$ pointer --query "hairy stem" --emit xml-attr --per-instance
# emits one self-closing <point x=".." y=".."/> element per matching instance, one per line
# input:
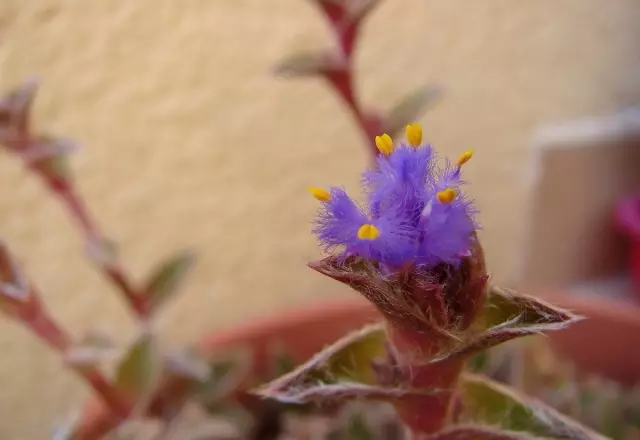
<point x="428" y="414"/>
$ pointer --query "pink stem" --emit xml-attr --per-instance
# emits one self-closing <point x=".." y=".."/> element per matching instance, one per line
<point x="79" y="212"/>
<point x="49" y="332"/>
<point x="343" y="80"/>
<point x="425" y="414"/>
<point x="110" y="395"/>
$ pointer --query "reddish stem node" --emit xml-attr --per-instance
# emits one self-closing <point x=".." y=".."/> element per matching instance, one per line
<point x="411" y="349"/>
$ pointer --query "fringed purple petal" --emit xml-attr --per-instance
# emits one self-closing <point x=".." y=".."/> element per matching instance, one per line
<point x="339" y="220"/>
<point x="414" y="226"/>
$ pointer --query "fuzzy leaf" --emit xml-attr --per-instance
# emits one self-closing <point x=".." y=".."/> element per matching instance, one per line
<point x="486" y="402"/>
<point x="508" y="315"/>
<point x="410" y="108"/>
<point x="165" y="282"/>
<point x="309" y="64"/>
<point x="139" y="370"/>
<point x="344" y="370"/>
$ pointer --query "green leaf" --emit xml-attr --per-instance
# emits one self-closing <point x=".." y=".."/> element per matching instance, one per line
<point x="166" y="280"/>
<point x="343" y="371"/>
<point x="508" y="315"/>
<point x="489" y="403"/>
<point x="410" y="108"/>
<point x="139" y="370"/>
<point x="309" y="64"/>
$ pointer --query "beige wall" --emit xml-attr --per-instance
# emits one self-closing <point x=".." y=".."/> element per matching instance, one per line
<point x="189" y="142"/>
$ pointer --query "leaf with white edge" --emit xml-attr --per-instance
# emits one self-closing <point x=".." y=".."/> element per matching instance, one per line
<point x="410" y="108"/>
<point x="490" y="403"/>
<point x="309" y="64"/>
<point x="508" y="315"/>
<point x="139" y="370"/>
<point x="167" y="279"/>
<point x="345" y="370"/>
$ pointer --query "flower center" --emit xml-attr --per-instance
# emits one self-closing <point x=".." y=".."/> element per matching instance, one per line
<point x="368" y="232"/>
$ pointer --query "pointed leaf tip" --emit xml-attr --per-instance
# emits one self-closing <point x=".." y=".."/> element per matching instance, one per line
<point x="490" y="403"/>
<point x="508" y="315"/>
<point x="168" y="277"/>
<point x="139" y="370"/>
<point x="309" y="63"/>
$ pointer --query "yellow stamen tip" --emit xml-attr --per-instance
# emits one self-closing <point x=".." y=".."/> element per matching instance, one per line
<point x="368" y="232"/>
<point x="414" y="134"/>
<point x="465" y="157"/>
<point x="320" y="194"/>
<point x="447" y="196"/>
<point x="384" y="144"/>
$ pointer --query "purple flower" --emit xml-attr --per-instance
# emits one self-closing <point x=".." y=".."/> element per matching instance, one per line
<point x="415" y="214"/>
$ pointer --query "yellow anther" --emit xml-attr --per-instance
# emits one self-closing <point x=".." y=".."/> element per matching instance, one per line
<point x="414" y="134"/>
<point x="320" y="194"/>
<point x="465" y="157"/>
<point x="447" y="196"/>
<point x="368" y="232"/>
<point x="384" y="144"/>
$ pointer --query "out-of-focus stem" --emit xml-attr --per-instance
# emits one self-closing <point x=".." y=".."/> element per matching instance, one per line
<point x="343" y="80"/>
<point x="78" y="211"/>
<point x="40" y="323"/>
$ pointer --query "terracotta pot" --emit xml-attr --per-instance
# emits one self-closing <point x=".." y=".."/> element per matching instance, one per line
<point x="627" y="217"/>
<point x="595" y="344"/>
<point x="299" y="333"/>
<point x="606" y="343"/>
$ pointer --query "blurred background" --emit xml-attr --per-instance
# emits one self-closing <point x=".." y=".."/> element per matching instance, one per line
<point x="189" y="141"/>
